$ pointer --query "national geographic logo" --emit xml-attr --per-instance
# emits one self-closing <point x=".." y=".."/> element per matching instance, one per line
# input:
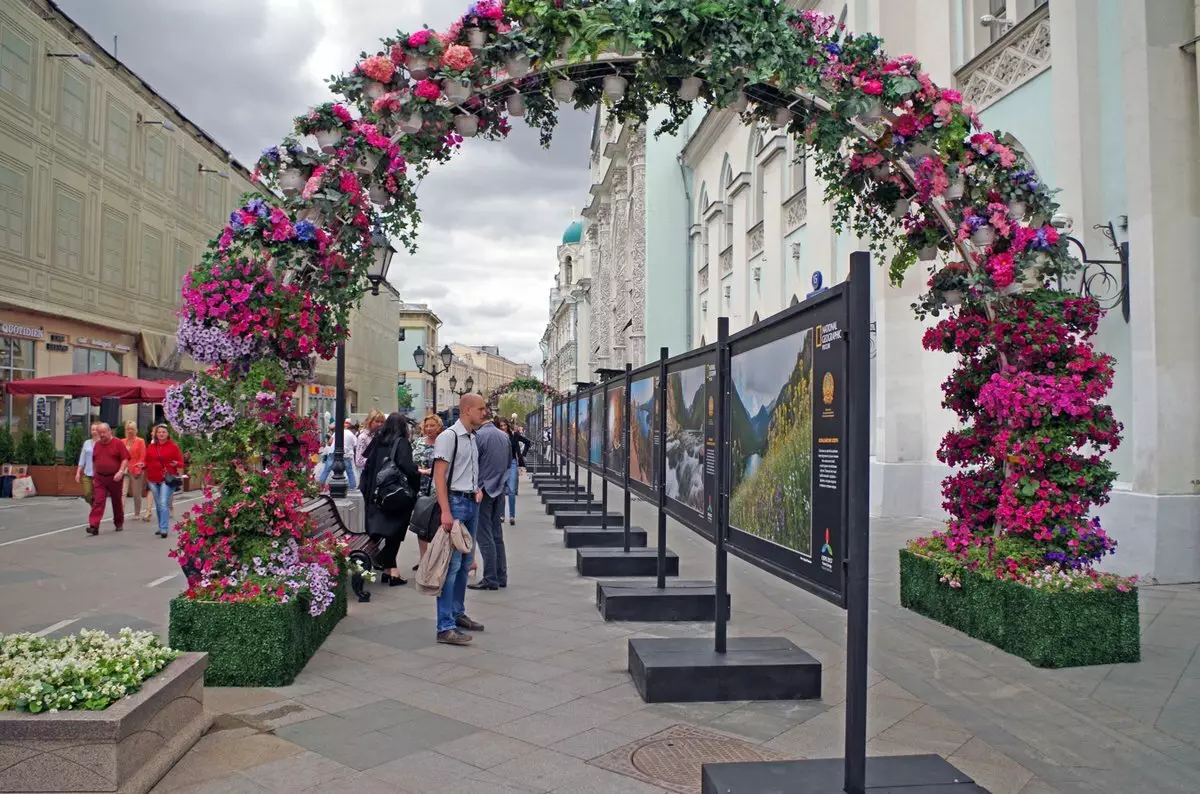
<point x="824" y="334"/>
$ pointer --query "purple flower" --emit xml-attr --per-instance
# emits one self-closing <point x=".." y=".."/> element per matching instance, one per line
<point x="306" y="232"/>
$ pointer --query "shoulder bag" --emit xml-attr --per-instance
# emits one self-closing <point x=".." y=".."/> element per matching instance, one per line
<point x="427" y="514"/>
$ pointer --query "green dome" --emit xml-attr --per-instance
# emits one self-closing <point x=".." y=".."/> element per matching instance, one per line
<point x="574" y="233"/>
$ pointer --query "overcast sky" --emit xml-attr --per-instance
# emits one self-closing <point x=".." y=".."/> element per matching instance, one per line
<point x="491" y="219"/>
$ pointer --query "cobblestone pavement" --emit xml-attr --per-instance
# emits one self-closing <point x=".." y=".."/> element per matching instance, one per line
<point x="541" y="701"/>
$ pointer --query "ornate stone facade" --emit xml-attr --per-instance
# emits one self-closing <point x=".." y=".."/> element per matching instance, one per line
<point x="1021" y="55"/>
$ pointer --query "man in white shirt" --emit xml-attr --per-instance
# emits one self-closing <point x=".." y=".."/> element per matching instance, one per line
<point x="348" y="443"/>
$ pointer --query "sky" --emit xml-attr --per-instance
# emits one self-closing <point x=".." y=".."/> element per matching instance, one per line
<point x="242" y="70"/>
<point x="760" y="373"/>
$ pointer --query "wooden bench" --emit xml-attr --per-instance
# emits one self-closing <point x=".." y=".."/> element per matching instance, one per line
<point x="328" y="521"/>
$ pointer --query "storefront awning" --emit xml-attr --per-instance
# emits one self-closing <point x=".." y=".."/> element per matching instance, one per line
<point x="96" y="385"/>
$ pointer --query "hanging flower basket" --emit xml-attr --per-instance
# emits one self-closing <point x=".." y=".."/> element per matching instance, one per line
<point x="411" y="124"/>
<point x="927" y="253"/>
<point x="466" y="126"/>
<point x="457" y="89"/>
<point x="328" y="140"/>
<point x="900" y="208"/>
<point x="373" y="89"/>
<point x="953" y="297"/>
<point x="564" y="47"/>
<point x="1018" y="209"/>
<point x="740" y="102"/>
<point x="689" y="89"/>
<point x="515" y="104"/>
<point x="984" y="236"/>
<point x="291" y="181"/>
<point x="378" y="195"/>
<point x="564" y="90"/>
<point x="783" y="118"/>
<point x="517" y="66"/>
<point x="476" y="38"/>
<point x="872" y="114"/>
<point x="954" y="191"/>
<point x="367" y="162"/>
<point x="614" y="87"/>
<point x="418" y="66"/>
<point x="312" y="215"/>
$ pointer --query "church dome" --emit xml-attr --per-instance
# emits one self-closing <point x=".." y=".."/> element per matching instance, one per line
<point x="573" y="234"/>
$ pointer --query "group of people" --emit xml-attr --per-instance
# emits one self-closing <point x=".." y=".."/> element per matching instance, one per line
<point x="111" y="468"/>
<point x="471" y="468"/>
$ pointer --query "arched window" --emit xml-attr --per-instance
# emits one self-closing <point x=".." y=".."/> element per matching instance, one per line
<point x="758" y="140"/>
<point x="703" y="252"/>
<point x="726" y="220"/>
<point x="702" y="342"/>
<point x="755" y="321"/>
<point x="795" y="301"/>
<point x="799" y="164"/>
<point x="567" y="275"/>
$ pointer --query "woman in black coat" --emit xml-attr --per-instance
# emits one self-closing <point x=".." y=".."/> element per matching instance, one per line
<point x="389" y="530"/>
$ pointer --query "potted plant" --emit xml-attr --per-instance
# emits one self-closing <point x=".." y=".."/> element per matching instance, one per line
<point x="376" y="73"/>
<point x="50" y="478"/>
<point x="950" y="282"/>
<point x="327" y="123"/>
<point x="926" y="239"/>
<point x="459" y="73"/>
<point x="421" y="51"/>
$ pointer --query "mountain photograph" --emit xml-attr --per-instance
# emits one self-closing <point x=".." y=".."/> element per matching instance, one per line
<point x="771" y="441"/>
<point x="614" y="448"/>
<point x="596" y="450"/>
<point x="582" y="423"/>
<point x="685" y="437"/>
<point x="642" y="411"/>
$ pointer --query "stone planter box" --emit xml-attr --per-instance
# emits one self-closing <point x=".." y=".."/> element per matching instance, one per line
<point x="55" y="481"/>
<point x="128" y="747"/>
<point x="252" y="644"/>
<point x="1047" y="629"/>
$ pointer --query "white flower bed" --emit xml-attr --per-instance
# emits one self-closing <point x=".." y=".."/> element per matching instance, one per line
<point x="90" y="670"/>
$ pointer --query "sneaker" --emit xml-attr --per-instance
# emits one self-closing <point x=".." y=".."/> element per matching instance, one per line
<point x="512" y="521"/>
<point x="452" y="637"/>
<point x="118" y="529"/>
<point x="93" y="530"/>
<point x="464" y="622"/>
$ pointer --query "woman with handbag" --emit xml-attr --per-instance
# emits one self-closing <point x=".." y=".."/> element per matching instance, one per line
<point x="390" y="483"/>
<point x="164" y="463"/>
<point x="431" y="427"/>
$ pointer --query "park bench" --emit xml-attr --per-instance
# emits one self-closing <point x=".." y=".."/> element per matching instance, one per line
<point x="328" y="521"/>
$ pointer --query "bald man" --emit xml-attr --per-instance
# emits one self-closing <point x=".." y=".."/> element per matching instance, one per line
<point x="456" y="479"/>
<point x="110" y="461"/>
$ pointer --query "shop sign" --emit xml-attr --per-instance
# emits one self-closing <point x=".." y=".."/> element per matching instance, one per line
<point x="25" y="332"/>
<point x="103" y="345"/>
<point x="322" y="391"/>
<point x="58" y="343"/>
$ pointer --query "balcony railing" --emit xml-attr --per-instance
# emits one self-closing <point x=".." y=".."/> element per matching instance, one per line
<point x="1012" y="60"/>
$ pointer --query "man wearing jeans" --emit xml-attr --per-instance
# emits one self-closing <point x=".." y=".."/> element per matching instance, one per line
<point x="456" y="478"/>
<point x="495" y="454"/>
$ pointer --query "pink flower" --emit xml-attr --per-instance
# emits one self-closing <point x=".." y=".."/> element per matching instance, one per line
<point x="872" y="87"/>
<point x="388" y="103"/>
<point x="397" y="54"/>
<point x="349" y="184"/>
<point x="952" y="96"/>
<point x="378" y="67"/>
<point x="458" y="58"/>
<point x="427" y="89"/>
<point x="419" y="39"/>
<point x="1000" y="266"/>
<point x="342" y="114"/>
<point x="314" y="183"/>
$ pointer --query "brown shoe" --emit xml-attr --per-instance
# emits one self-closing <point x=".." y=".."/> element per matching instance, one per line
<point x="464" y="622"/>
<point x="93" y="530"/>
<point x="452" y="637"/>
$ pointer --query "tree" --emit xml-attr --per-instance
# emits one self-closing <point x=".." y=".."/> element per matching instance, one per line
<point x="8" y="447"/>
<point x="73" y="446"/>
<point x="521" y="403"/>
<point x="404" y="398"/>
<point x="26" y="449"/>
<point x="44" y="453"/>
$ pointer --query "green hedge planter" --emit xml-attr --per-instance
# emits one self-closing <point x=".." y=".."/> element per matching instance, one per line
<point x="1046" y="629"/>
<point x="252" y="644"/>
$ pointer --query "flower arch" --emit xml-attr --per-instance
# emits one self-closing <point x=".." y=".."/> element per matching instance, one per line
<point x="523" y="384"/>
<point x="905" y="166"/>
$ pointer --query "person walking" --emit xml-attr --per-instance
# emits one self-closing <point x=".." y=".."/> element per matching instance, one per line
<point x="456" y="479"/>
<point x="83" y="469"/>
<point x="423" y="458"/>
<point x="134" y="483"/>
<point x="495" y="455"/>
<point x="388" y="529"/>
<point x="110" y="461"/>
<point x="520" y="446"/>
<point x="371" y="427"/>
<point x="164" y="465"/>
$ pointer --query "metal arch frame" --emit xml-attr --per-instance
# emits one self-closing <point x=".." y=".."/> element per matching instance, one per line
<point x="1095" y="272"/>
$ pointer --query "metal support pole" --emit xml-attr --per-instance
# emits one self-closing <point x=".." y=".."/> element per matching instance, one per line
<point x="858" y="543"/>
<point x="661" y="478"/>
<point x="434" y="374"/>
<point x="338" y="483"/>
<point x="625" y="442"/>
<point x="722" y="464"/>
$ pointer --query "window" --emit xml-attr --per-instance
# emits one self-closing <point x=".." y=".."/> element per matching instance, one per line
<point x="799" y="166"/>
<point x="12" y="210"/>
<point x="183" y="265"/>
<point x="16" y="66"/>
<point x="187" y="180"/>
<point x="113" y="241"/>
<point x="84" y="360"/>
<point x="150" y="277"/>
<point x="119" y="134"/>
<point x="68" y="231"/>
<point x="73" y="104"/>
<point x="156" y="159"/>
<point x="214" y="199"/>
<point x="16" y="363"/>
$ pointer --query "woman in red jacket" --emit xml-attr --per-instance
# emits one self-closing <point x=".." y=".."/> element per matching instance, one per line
<point x="164" y="464"/>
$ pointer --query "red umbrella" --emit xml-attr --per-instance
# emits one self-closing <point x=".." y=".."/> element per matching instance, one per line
<point x="96" y="385"/>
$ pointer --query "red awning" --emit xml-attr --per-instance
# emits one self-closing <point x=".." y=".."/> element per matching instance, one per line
<point x="95" y="385"/>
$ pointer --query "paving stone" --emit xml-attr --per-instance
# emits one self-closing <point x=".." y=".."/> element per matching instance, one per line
<point x="277" y="714"/>
<point x="382" y="714"/>
<point x="218" y="756"/>
<point x="542" y="770"/>
<point x="430" y="731"/>
<point x="425" y="771"/>
<point x="486" y="749"/>
<point x="990" y="768"/>
<point x="541" y="729"/>
<point x="590" y="744"/>
<point x="338" y="699"/>
<point x="20" y="576"/>
<point x="751" y="725"/>
<point x="297" y="772"/>
<point x="228" y="784"/>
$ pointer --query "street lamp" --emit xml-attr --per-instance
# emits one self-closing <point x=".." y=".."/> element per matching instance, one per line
<point x="447" y="357"/>
<point x="467" y="386"/>
<point x="377" y="274"/>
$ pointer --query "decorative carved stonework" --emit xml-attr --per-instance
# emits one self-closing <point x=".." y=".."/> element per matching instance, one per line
<point x="620" y="183"/>
<point x="637" y="147"/>
<point x="795" y="212"/>
<point x="702" y="280"/>
<point x="1014" y="60"/>
<point x="755" y="240"/>
<point x="725" y="261"/>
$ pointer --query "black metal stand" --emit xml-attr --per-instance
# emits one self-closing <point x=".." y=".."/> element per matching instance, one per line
<point x="339" y="485"/>
<point x="663" y="355"/>
<point x="625" y="445"/>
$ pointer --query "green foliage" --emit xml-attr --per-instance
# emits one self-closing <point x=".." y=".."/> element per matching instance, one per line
<point x="8" y="447"/>
<point x="44" y="453"/>
<point x="73" y="445"/>
<point x="1046" y="628"/>
<point x="520" y="404"/>
<point x="26" y="449"/>
<point x="260" y="644"/>
<point x="404" y="398"/>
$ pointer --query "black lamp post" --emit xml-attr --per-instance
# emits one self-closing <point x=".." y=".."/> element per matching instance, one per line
<point x="338" y="482"/>
<point x="447" y="357"/>
<point x="467" y="385"/>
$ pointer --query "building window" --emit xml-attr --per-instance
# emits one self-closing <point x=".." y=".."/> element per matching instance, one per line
<point x="187" y="180"/>
<point x="214" y="199"/>
<point x="68" y="231"/>
<point x="156" y="159"/>
<point x="119" y="134"/>
<point x="150" y="277"/>
<point x="799" y="167"/>
<point x="84" y="360"/>
<point x="183" y="265"/>
<point x="73" y="105"/>
<point x="16" y="65"/>
<point x="16" y="363"/>
<point x="113" y="233"/>
<point x="12" y="210"/>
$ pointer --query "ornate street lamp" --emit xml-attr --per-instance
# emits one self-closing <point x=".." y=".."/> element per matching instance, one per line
<point x="420" y="359"/>
<point x="467" y="385"/>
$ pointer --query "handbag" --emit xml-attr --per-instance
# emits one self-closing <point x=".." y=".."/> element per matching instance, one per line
<point x="427" y="513"/>
<point x="172" y="481"/>
<point x="391" y="492"/>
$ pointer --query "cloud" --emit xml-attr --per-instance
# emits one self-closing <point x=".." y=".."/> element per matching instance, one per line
<point x="491" y="219"/>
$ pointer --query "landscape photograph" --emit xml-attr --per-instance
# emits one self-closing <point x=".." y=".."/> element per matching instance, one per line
<point x="614" y="448"/>
<point x="685" y="437"/>
<point x="771" y="441"/>
<point x="596" y="449"/>
<point x="582" y="423"/>
<point x="641" y="429"/>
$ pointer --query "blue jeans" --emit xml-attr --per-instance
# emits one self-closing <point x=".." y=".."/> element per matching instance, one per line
<point x="511" y="488"/>
<point x="325" y="472"/>
<point x="451" y="604"/>
<point x="162" y="504"/>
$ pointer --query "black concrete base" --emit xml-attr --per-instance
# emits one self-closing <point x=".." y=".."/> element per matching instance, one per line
<point x="618" y="562"/>
<point x="644" y="602"/>
<point x="565" y="504"/>
<point x="542" y="485"/>
<point x="897" y="774"/>
<point x="594" y="537"/>
<point x="557" y="493"/>
<point x="688" y="670"/>
<point x="582" y="518"/>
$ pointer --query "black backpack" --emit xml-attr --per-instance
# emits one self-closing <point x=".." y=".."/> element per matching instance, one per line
<point x="392" y="493"/>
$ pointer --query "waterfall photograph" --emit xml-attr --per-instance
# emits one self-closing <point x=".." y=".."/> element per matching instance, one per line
<point x="685" y="437"/>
